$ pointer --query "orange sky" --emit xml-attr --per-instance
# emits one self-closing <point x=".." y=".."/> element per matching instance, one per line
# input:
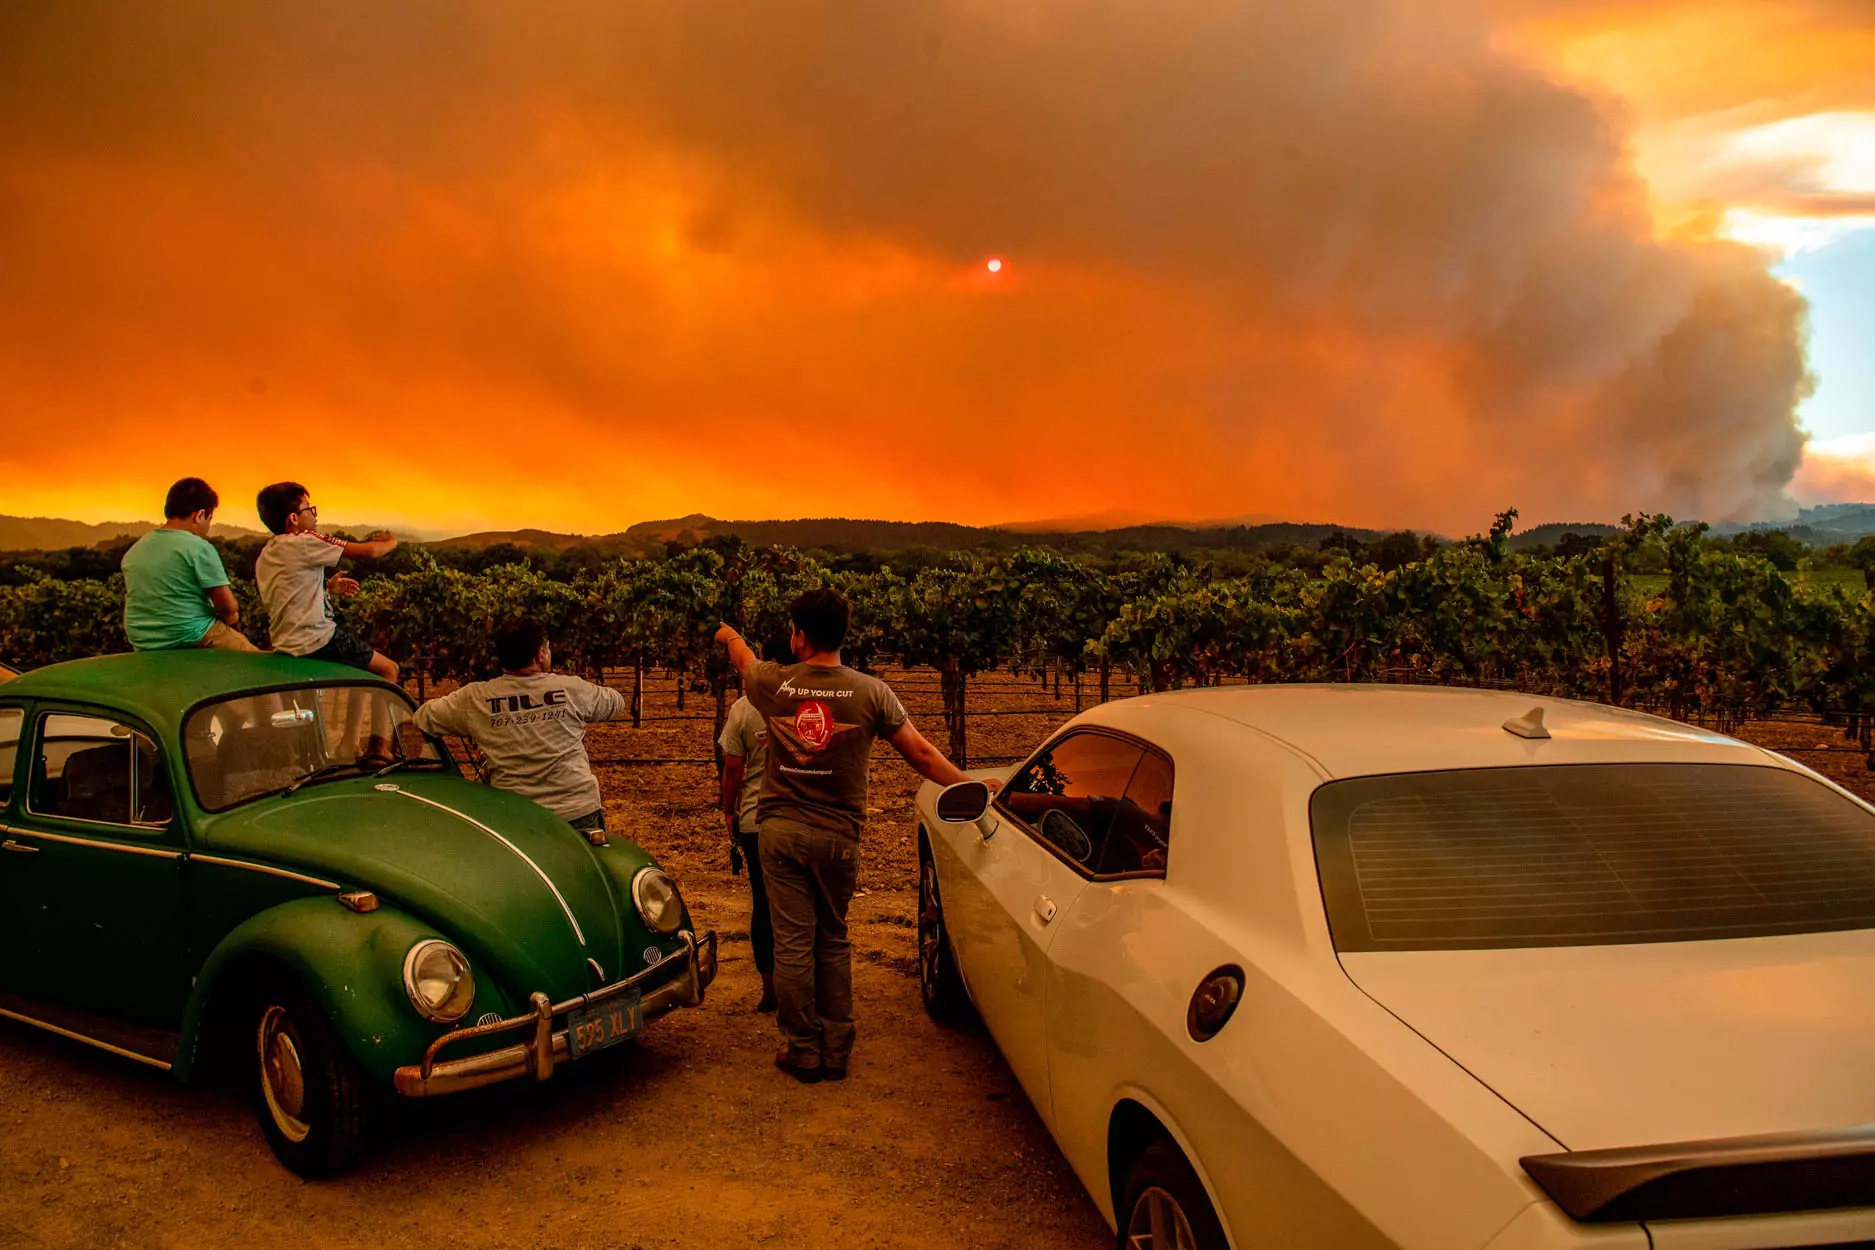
<point x="460" y="267"/>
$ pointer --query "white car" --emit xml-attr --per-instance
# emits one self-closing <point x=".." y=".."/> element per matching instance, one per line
<point x="1391" y="966"/>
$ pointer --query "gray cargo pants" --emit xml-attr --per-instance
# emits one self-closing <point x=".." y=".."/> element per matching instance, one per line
<point x="810" y="874"/>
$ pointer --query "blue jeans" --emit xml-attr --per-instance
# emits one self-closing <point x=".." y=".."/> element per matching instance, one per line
<point x="810" y="874"/>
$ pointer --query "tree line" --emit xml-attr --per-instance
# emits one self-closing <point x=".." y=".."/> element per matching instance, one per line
<point x="1655" y="615"/>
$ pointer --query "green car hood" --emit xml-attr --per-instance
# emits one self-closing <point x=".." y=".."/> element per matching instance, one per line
<point x="522" y="893"/>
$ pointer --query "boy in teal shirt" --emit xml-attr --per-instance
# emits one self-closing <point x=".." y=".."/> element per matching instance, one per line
<point x="176" y="591"/>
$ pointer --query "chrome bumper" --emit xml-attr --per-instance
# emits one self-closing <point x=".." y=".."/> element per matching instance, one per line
<point x="544" y="1046"/>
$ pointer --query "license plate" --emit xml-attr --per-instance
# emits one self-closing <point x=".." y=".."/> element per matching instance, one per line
<point x="603" y="1024"/>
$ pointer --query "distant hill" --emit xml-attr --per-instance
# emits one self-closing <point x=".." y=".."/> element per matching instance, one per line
<point x="841" y="534"/>
<point x="1836" y="523"/>
<point x="1104" y="522"/>
<point x="1819" y="527"/>
<point x="38" y="533"/>
<point x="1550" y="534"/>
<point x="540" y="540"/>
<point x="1094" y="533"/>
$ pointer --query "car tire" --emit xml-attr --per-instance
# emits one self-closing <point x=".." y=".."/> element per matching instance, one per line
<point x="1165" y="1206"/>
<point x="309" y="1093"/>
<point x="939" y="983"/>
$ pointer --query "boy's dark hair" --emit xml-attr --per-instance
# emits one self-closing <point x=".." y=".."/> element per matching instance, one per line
<point x="277" y="503"/>
<point x="188" y="497"/>
<point x="518" y="643"/>
<point x="822" y="615"/>
<point x="780" y="647"/>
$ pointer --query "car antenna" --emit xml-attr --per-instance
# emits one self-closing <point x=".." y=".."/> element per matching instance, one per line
<point x="1529" y="725"/>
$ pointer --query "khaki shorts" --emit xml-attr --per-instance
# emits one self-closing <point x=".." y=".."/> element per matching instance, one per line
<point x="221" y="638"/>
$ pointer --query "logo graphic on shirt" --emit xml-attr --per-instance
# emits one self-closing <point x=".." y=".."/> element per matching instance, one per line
<point x="813" y="723"/>
<point x="788" y="688"/>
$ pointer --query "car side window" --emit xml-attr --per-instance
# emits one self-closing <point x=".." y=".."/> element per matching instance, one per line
<point x="92" y="768"/>
<point x="1071" y="794"/>
<point x="12" y="721"/>
<point x="1142" y="824"/>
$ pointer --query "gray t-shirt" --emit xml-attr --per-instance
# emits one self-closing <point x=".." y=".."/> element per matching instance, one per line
<point x="291" y="570"/>
<point x="746" y="735"/>
<point x="821" y="726"/>
<point x="533" y="731"/>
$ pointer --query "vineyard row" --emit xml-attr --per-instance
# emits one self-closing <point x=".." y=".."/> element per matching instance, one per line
<point x="1723" y="637"/>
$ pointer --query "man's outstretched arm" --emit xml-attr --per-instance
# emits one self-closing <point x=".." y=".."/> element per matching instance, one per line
<point x="929" y="762"/>
<point x="376" y="547"/>
<point x="740" y="653"/>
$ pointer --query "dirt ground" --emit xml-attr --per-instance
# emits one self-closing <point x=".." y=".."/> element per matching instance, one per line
<point x="688" y="1138"/>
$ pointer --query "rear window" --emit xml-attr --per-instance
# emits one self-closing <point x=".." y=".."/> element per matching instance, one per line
<point x="1583" y="855"/>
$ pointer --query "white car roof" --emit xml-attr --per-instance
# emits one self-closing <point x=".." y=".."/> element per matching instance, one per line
<point x="1357" y="730"/>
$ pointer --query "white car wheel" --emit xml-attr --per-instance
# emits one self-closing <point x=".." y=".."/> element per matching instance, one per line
<point x="939" y="983"/>
<point x="1159" y="1223"/>
<point x="1165" y="1206"/>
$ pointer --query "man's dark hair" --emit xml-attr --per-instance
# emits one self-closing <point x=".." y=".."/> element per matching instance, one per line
<point x="518" y="643"/>
<point x="188" y="497"/>
<point x="822" y="615"/>
<point x="277" y="503"/>
<point x="779" y="647"/>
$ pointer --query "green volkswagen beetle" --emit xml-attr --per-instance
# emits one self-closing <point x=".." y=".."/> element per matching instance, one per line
<point x="259" y="858"/>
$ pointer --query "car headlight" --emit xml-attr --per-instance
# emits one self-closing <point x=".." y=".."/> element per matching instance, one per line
<point x="438" y="980"/>
<point x="655" y="895"/>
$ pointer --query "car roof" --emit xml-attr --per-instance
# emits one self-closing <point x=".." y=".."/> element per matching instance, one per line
<point x="159" y="686"/>
<point x="1366" y="730"/>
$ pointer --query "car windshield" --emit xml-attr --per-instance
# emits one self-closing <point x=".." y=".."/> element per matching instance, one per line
<point x="241" y="748"/>
<point x="1585" y="855"/>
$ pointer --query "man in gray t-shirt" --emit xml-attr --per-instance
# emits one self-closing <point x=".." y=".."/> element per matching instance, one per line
<point x="530" y="723"/>
<point x="822" y="718"/>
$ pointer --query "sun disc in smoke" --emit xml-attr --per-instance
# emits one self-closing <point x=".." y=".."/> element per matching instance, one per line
<point x="995" y="265"/>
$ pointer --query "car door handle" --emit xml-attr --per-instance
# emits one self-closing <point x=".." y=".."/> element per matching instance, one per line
<point x="1045" y="909"/>
<point x="18" y="848"/>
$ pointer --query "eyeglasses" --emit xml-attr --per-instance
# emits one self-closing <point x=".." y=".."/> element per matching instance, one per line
<point x="311" y="507"/>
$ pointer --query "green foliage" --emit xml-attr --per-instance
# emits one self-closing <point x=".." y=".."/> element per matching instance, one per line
<point x="1650" y="614"/>
<point x="43" y="621"/>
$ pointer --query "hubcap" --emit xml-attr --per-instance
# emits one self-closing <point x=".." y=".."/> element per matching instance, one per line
<point x="282" y="1081"/>
<point x="1159" y="1223"/>
<point x="930" y="928"/>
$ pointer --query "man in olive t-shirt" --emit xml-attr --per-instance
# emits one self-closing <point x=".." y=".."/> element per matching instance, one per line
<point x="822" y="719"/>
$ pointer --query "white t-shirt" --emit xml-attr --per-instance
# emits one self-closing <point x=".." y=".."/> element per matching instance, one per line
<point x="745" y="733"/>
<point x="533" y="731"/>
<point x="291" y="570"/>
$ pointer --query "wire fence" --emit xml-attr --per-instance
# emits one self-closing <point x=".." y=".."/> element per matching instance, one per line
<point x="1056" y="699"/>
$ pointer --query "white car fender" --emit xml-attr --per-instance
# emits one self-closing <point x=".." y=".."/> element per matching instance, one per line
<point x="1163" y="1114"/>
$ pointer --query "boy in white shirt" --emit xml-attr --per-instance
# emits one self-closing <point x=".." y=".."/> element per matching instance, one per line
<point x="530" y="723"/>
<point x="291" y="570"/>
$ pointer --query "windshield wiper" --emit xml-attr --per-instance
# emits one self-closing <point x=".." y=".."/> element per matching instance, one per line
<point x="318" y="774"/>
<point x="408" y="762"/>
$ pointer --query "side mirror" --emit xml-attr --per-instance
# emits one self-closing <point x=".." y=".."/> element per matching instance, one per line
<point x="962" y="803"/>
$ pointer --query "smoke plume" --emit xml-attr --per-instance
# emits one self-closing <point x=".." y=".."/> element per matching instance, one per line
<point x="581" y="263"/>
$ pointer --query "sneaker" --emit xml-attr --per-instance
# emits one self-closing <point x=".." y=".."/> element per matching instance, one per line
<point x="806" y="1076"/>
<point x="831" y="1073"/>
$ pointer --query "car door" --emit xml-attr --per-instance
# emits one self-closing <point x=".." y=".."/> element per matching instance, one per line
<point x="12" y="854"/>
<point x="94" y="855"/>
<point x="1107" y="1006"/>
<point x="1054" y="815"/>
